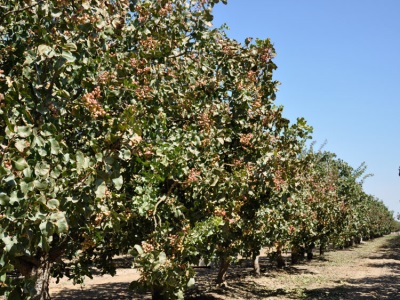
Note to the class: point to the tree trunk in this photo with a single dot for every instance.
(310, 254)
(157, 293)
(38, 271)
(256, 263)
(223, 268)
(322, 249)
(280, 261)
(42, 276)
(297, 254)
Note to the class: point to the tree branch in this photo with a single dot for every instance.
(2, 18)
(159, 202)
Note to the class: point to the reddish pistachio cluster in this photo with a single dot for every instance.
(105, 77)
(135, 140)
(237, 162)
(252, 76)
(257, 103)
(194, 175)
(147, 247)
(205, 121)
(266, 54)
(186, 229)
(219, 212)
(147, 153)
(240, 86)
(292, 229)
(67, 33)
(90, 100)
(8, 164)
(100, 216)
(176, 242)
(166, 9)
(53, 109)
(85, 18)
(278, 179)
(206, 142)
(143, 92)
(245, 139)
(173, 238)
(149, 43)
(87, 243)
(143, 13)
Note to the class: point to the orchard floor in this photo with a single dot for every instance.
(368, 271)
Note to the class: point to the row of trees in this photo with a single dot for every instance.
(133, 126)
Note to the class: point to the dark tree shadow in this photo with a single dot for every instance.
(390, 250)
(100, 291)
(382, 287)
(241, 285)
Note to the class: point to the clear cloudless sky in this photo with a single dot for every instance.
(339, 65)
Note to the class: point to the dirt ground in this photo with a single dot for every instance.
(368, 271)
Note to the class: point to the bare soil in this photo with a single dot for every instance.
(368, 271)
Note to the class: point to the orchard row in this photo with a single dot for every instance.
(136, 127)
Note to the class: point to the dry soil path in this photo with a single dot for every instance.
(368, 271)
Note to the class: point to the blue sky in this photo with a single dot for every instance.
(339, 65)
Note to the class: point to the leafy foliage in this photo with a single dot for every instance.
(133, 126)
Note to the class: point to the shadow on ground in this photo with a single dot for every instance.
(115, 291)
(242, 285)
(383, 287)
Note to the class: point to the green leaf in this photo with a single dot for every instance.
(68, 56)
(191, 282)
(60, 221)
(47, 228)
(139, 249)
(53, 204)
(86, 4)
(26, 187)
(179, 295)
(80, 160)
(70, 47)
(44, 49)
(125, 154)
(20, 164)
(42, 169)
(27, 172)
(21, 145)
(4, 171)
(118, 182)
(162, 257)
(100, 189)
(55, 146)
(23, 131)
(40, 185)
(4, 199)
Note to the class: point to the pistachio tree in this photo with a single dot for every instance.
(63, 120)
(126, 125)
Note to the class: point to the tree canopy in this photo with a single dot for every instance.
(135, 126)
